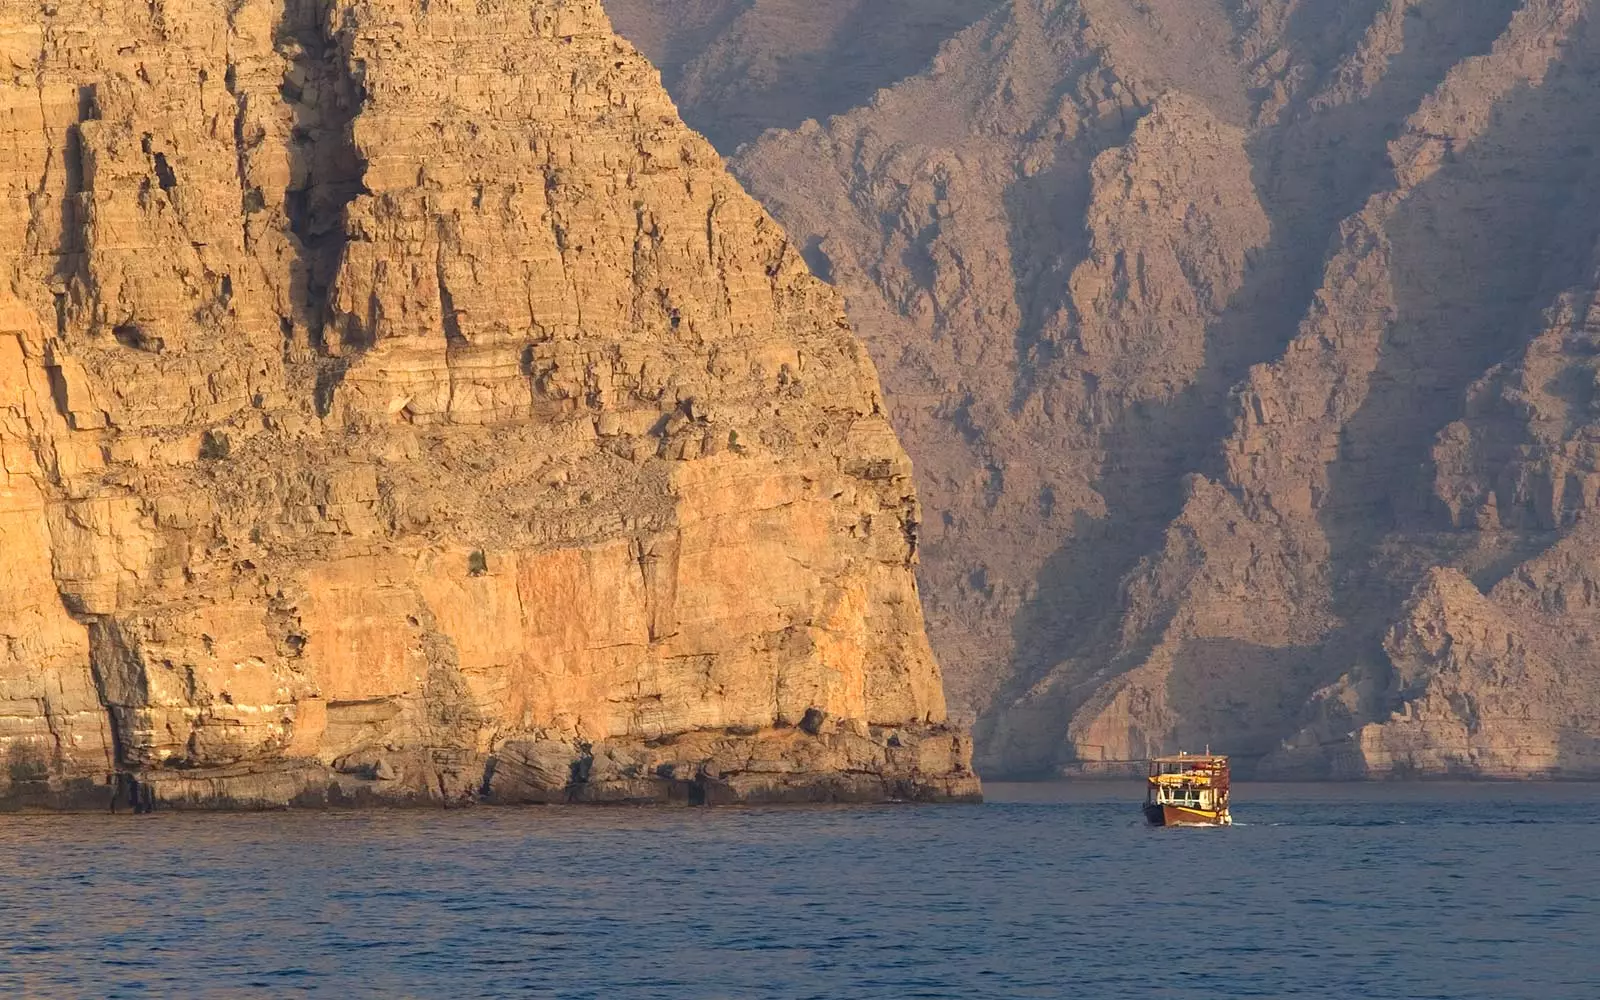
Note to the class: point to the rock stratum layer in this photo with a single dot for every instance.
(1247, 350)
(398, 402)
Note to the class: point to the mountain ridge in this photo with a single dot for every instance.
(1228, 340)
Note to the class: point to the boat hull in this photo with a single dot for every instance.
(1161, 815)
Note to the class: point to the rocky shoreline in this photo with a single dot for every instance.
(817, 762)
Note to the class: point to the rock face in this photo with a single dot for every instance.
(399, 403)
(1246, 351)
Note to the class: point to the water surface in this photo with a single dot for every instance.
(1449, 891)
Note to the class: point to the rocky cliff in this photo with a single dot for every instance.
(398, 402)
(1246, 350)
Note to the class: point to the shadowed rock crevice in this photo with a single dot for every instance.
(1242, 692)
(739, 67)
(1320, 35)
(326, 169)
(1048, 240)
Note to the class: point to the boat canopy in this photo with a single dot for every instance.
(1200, 768)
(1187, 763)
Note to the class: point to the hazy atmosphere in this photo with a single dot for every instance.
(823, 498)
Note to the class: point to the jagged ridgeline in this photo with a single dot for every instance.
(1247, 351)
(398, 402)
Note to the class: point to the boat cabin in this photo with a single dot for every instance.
(1188, 790)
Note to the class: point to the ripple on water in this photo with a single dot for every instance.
(1451, 891)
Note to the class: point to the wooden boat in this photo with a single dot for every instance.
(1188, 790)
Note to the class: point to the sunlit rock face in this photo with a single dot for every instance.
(398, 402)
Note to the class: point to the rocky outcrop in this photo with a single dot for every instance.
(1221, 334)
(1478, 689)
(399, 403)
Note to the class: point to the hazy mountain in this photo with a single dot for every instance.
(1246, 350)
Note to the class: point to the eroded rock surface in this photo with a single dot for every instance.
(398, 402)
(1244, 349)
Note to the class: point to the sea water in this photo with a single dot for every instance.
(1413, 890)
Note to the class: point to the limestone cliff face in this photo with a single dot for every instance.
(398, 401)
(1245, 349)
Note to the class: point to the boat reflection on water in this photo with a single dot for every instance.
(1188, 790)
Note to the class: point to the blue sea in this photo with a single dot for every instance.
(1060, 890)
